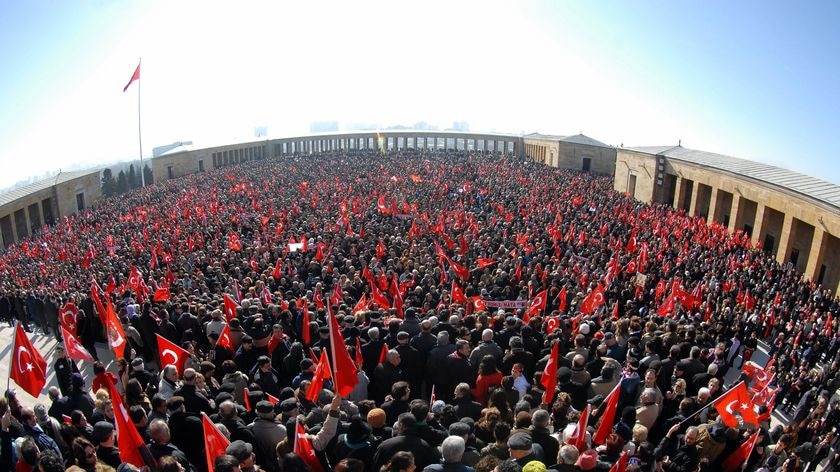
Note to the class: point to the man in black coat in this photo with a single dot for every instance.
(193, 400)
(385, 375)
(189, 430)
(64, 368)
(458, 368)
(406, 439)
(465, 407)
(412, 363)
(161, 445)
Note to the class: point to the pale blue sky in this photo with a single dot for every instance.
(751, 79)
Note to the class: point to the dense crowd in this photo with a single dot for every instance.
(453, 277)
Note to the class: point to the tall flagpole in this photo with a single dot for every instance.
(140, 131)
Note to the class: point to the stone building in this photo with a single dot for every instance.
(793, 216)
(185, 160)
(25, 209)
(577, 152)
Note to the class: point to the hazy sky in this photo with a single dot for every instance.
(753, 79)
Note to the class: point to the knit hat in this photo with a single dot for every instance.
(534, 466)
(376, 417)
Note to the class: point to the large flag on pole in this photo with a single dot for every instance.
(29, 369)
(215, 443)
(134, 76)
(171, 353)
(133, 449)
(344, 377)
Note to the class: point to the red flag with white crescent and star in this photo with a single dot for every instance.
(74, 349)
(736, 400)
(29, 369)
(171, 353)
(67, 315)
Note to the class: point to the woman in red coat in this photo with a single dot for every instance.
(488, 377)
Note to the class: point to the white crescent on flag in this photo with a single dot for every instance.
(172, 353)
(20, 363)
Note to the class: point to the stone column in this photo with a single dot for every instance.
(784, 238)
(733, 214)
(695, 191)
(677, 188)
(815, 256)
(712, 206)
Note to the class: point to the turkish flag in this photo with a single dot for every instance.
(171, 353)
(379, 298)
(276, 274)
(383, 353)
(95, 292)
(322, 372)
(484, 262)
(112, 284)
(162, 294)
(537, 305)
(592, 301)
(608, 417)
(233, 242)
(549, 377)
(29, 369)
(478, 303)
(740, 456)
(68, 315)
(337, 295)
(361, 304)
(380, 250)
(579, 439)
(304, 449)
(135, 277)
(215, 443)
(132, 447)
(458, 293)
(561, 299)
(621, 465)
(552, 323)
(134, 76)
(462, 272)
(116, 335)
(229, 307)
(224, 339)
(319, 300)
(74, 349)
(736, 400)
(344, 370)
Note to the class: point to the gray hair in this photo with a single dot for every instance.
(487, 335)
(568, 454)
(540, 418)
(373, 333)
(462, 389)
(515, 341)
(452, 449)
(443, 338)
(712, 369)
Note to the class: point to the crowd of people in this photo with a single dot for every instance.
(454, 278)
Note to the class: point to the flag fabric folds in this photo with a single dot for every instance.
(740, 456)
(29, 369)
(215, 443)
(74, 349)
(304, 449)
(344, 371)
(736, 400)
(171, 354)
(549, 377)
(610, 405)
(132, 447)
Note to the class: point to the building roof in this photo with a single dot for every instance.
(34, 187)
(811, 187)
(576, 139)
